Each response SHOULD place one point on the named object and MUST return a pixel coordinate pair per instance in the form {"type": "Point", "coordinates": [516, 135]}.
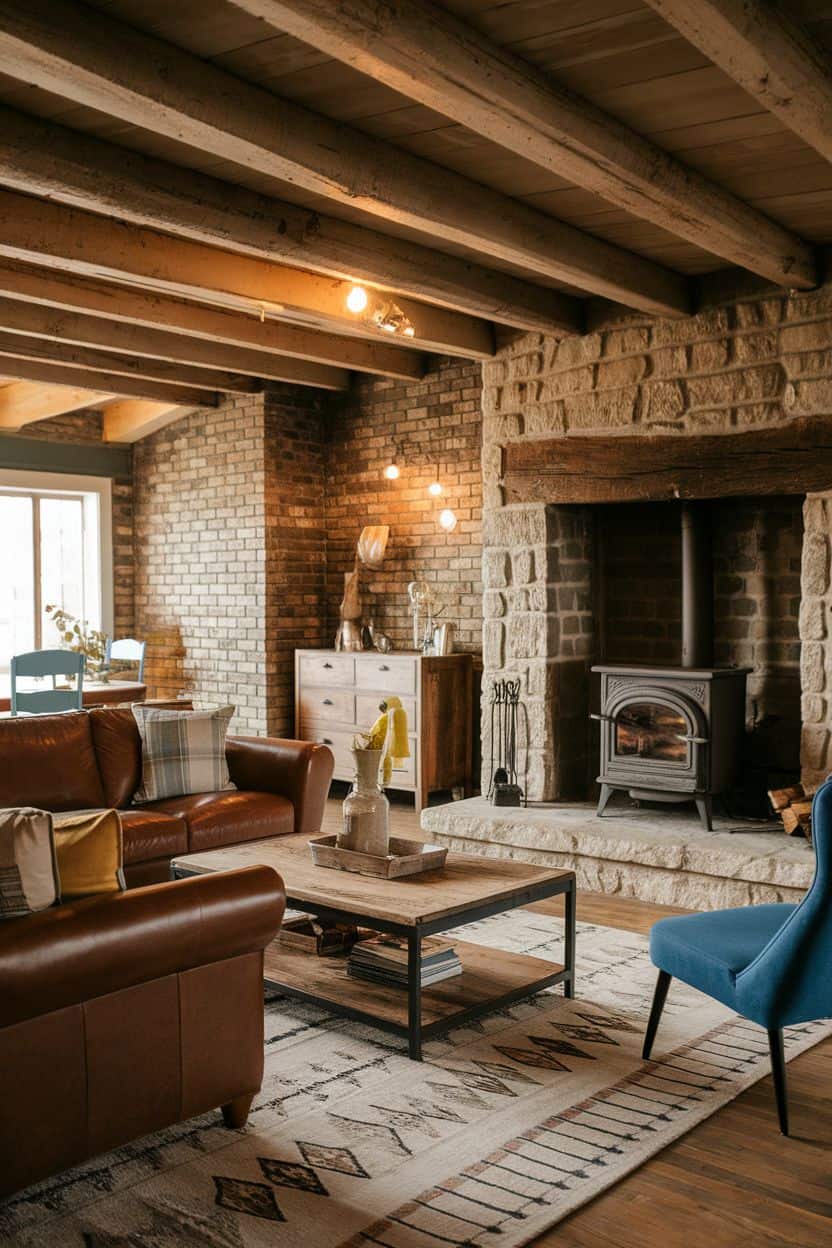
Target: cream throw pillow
{"type": "Point", "coordinates": [28, 870]}
{"type": "Point", "coordinates": [182, 752]}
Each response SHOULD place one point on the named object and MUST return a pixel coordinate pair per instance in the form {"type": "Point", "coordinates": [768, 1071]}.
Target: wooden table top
{"type": "Point", "coordinates": [464, 883]}
{"type": "Point", "coordinates": [96, 693]}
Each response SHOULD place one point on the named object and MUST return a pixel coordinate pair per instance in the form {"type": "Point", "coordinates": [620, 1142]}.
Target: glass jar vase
{"type": "Point", "coordinates": [366, 809]}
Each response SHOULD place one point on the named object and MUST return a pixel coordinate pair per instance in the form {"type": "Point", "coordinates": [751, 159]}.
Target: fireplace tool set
{"type": "Point", "coordinates": [505, 701]}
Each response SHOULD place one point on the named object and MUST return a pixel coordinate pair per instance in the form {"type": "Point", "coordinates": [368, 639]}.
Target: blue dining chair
{"type": "Point", "coordinates": [126, 650]}
{"type": "Point", "coordinates": [770, 963]}
{"type": "Point", "coordinates": [40, 663]}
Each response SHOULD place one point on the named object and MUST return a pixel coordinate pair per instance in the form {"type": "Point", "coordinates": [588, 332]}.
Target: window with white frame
{"type": "Point", "coordinates": [55, 550]}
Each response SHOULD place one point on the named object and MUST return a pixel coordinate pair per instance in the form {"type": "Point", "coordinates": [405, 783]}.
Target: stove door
{"type": "Point", "coordinates": [653, 736]}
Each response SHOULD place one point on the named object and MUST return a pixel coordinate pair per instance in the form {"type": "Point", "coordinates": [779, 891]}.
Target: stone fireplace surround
{"type": "Point", "coordinates": [740, 365]}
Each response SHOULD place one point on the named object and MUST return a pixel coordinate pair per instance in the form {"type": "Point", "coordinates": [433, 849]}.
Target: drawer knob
{"type": "Point", "coordinates": [327, 702]}
{"type": "Point", "coordinates": [328, 666]}
{"type": "Point", "coordinates": [384, 668]}
{"type": "Point", "coordinates": [326, 741]}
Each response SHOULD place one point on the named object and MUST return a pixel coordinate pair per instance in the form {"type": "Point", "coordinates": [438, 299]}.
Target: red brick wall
{"type": "Point", "coordinates": [438, 422]}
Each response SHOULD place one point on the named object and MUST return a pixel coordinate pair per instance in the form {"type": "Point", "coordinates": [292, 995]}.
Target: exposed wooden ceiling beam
{"type": "Point", "coordinates": [24, 347]}
{"type": "Point", "coordinates": [768, 53]}
{"type": "Point", "coordinates": [56, 323]}
{"type": "Point", "coordinates": [128, 420]}
{"type": "Point", "coordinates": [104, 64]}
{"type": "Point", "coordinates": [45, 159]}
{"type": "Point", "coordinates": [23, 402]}
{"type": "Point", "coordinates": [130, 305]}
{"type": "Point", "coordinates": [86, 242]}
{"type": "Point", "coordinates": [106, 383]}
{"type": "Point", "coordinates": [429, 55]}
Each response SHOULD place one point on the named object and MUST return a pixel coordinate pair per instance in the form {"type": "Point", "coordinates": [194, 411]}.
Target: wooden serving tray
{"type": "Point", "coordinates": [405, 857]}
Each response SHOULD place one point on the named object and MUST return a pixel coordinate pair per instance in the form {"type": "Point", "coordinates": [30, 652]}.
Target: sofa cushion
{"type": "Point", "coordinates": [149, 834]}
{"type": "Point", "coordinates": [118, 749]}
{"type": "Point", "coordinates": [216, 819]}
{"type": "Point", "coordinates": [48, 761]}
{"type": "Point", "coordinates": [90, 853]}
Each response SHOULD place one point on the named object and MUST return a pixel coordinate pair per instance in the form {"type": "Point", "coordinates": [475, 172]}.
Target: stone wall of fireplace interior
{"type": "Point", "coordinates": [742, 363]}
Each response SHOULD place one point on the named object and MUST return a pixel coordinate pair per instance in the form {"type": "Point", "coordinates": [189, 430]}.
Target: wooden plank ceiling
{"type": "Point", "coordinates": [189, 191]}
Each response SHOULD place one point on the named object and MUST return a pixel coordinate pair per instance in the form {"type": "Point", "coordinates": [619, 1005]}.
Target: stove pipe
{"type": "Point", "coordinates": [697, 586]}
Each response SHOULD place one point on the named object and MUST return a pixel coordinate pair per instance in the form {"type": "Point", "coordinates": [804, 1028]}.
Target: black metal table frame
{"type": "Point", "coordinates": [415, 1032]}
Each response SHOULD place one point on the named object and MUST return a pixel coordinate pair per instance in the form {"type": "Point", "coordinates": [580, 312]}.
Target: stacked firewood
{"type": "Point", "coordinates": [794, 806]}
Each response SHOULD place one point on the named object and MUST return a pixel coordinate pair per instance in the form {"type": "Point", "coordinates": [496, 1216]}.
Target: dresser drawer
{"type": "Point", "coordinates": [367, 712]}
{"type": "Point", "coordinates": [327, 669]}
{"type": "Point", "coordinates": [386, 674]}
{"type": "Point", "coordinates": [406, 773]}
{"type": "Point", "coordinates": [330, 705]}
{"type": "Point", "coordinates": [339, 741]}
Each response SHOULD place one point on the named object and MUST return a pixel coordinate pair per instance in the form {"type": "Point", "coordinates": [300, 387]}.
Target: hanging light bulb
{"type": "Point", "coordinates": [447, 519]}
{"type": "Point", "coordinates": [357, 299]}
{"type": "Point", "coordinates": [435, 488]}
{"type": "Point", "coordinates": [392, 472]}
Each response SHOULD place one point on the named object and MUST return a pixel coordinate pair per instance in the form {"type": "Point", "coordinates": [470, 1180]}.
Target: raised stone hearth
{"type": "Point", "coordinates": [658, 855]}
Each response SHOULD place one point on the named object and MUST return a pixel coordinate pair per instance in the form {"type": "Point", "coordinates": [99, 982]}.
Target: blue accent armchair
{"type": "Point", "coordinates": [772, 964]}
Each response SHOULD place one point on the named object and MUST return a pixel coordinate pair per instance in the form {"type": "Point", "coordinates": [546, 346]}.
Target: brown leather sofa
{"type": "Point", "coordinates": [91, 759]}
{"type": "Point", "coordinates": [123, 1014]}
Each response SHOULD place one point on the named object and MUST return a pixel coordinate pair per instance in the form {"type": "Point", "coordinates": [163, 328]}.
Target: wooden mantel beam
{"type": "Point", "coordinates": [429, 55]}
{"type": "Point", "coordinates": [48, 160]}
{"type": "Point", "coordinates": [109, 66]}
{"type": "Point", "coordinates": [789, 459]}
{"type": "Point", "coordinates": [760, 46]}
{"type": "Point", "coordinates": [24, 402]}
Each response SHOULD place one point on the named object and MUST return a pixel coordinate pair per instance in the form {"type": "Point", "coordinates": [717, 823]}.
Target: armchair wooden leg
{"type": "Point", "coordinates": [659, 998]}
{"type": "Point", "coordinates": [235, 1113]}
{"type": "Point", "coordinates": [778, 1070]}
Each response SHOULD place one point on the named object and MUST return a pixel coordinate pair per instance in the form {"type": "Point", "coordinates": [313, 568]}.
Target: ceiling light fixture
{"type": "Point", "coordinates": [357, 299]}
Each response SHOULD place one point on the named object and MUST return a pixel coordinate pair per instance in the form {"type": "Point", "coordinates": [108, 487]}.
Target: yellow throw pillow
{"type": "Point", "coordinates": [88, 846]}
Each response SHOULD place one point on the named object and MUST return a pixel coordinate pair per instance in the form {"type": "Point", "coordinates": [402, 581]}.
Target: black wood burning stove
{"type": "Point", "coordinates": [674, 734]}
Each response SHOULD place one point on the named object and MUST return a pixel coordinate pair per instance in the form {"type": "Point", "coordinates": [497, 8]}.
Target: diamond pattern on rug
{"type": "Point", "coordinates": [531, 1057]}
{"type": "Point", "coordinates": [583, 1031]}
{"type": "Point", "coordinates": [245, 1197]}
{"type": "Point", "coordinates": [291, 1174]}
{"type": "Point", "coordinates": [324, 1157]}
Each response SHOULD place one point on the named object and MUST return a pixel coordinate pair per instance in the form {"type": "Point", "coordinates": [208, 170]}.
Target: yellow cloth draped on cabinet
{"type": "Point", "coordinates": [389, 733]}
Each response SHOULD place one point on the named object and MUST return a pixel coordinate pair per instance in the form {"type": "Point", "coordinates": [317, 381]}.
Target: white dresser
{"type": "Point", "coordinates": [337, 695]}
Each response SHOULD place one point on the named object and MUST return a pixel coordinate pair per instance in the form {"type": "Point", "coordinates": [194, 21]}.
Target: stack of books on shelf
{"type": "Point", "coordinates": [383, 960]}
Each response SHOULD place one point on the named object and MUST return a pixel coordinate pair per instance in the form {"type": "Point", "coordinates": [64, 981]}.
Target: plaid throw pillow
{"type": "Point", "coordinates": [182, 752]}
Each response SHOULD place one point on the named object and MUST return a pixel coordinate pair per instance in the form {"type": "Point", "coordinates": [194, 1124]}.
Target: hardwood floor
{"type": "Point", "coordinates": [733, 1180]}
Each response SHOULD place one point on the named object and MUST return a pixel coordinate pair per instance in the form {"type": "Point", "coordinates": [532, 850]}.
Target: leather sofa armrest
{"type": "Point", "coordinates": [298, 770]}
{"type": "Point", "coordinates": [75, 952]}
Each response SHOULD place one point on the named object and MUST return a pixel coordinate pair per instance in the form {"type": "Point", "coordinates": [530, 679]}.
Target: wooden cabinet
{"type": "Point", "coordinates": [338, 695]}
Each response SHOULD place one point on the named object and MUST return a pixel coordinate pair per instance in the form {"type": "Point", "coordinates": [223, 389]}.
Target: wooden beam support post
{"type": "Point", "coordinates": [44, 159]}
{"type": "Point", "coordinates": [788, 459]}
{"type": "Point", "coordinates": [24, 402]}
{"type": "Point", "coordinates": [429, 55]}
{"type": "Point", "coordinates": [143, 345]}
{"type": "Point", "coordinates": [107, 65]}
{"type": "Point", "coordinates": [768, 53]}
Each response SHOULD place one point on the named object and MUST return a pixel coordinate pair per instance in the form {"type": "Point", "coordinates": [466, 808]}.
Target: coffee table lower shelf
{"type": "Point", "coordinates": [490, 979]}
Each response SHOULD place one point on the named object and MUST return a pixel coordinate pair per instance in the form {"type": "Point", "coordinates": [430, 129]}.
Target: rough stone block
{"type": "Point", "coordinates": [522, 565]}
{"type": "Point", "coordinates": [515, 526]}
{"type": "Point", "coordinates": [812, 668]}
{"type": "Point", "coordinates": [494, 604]}
{"type": "Point", "coordinates": [496, 568]}
{"type": "Point", "coordinates": [607, 409]}
{"type": "Point", "coordinates": [815, 569]}
{"type": "Point", "coordinates": [707, 357]}
{"type": "Point", "coordinates": [665, 400]}
{"type": "Point", "coordinates": [812, 619]}
{"type": "Point", "coordinates": [614, 374]}
{"type": "Point", "coordinates": [493, 645]}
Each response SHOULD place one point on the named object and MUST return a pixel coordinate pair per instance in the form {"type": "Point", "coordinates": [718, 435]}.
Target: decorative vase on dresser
{"type": "Point", "coordinates": [337, 695]}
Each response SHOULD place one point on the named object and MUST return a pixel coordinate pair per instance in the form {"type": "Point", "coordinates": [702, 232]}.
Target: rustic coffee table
{"type": "Point", "coordinates": [467, 888]}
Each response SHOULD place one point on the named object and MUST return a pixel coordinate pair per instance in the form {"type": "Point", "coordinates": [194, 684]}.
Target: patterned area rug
{"type": "Point", "coordinates": [508, 1125]}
